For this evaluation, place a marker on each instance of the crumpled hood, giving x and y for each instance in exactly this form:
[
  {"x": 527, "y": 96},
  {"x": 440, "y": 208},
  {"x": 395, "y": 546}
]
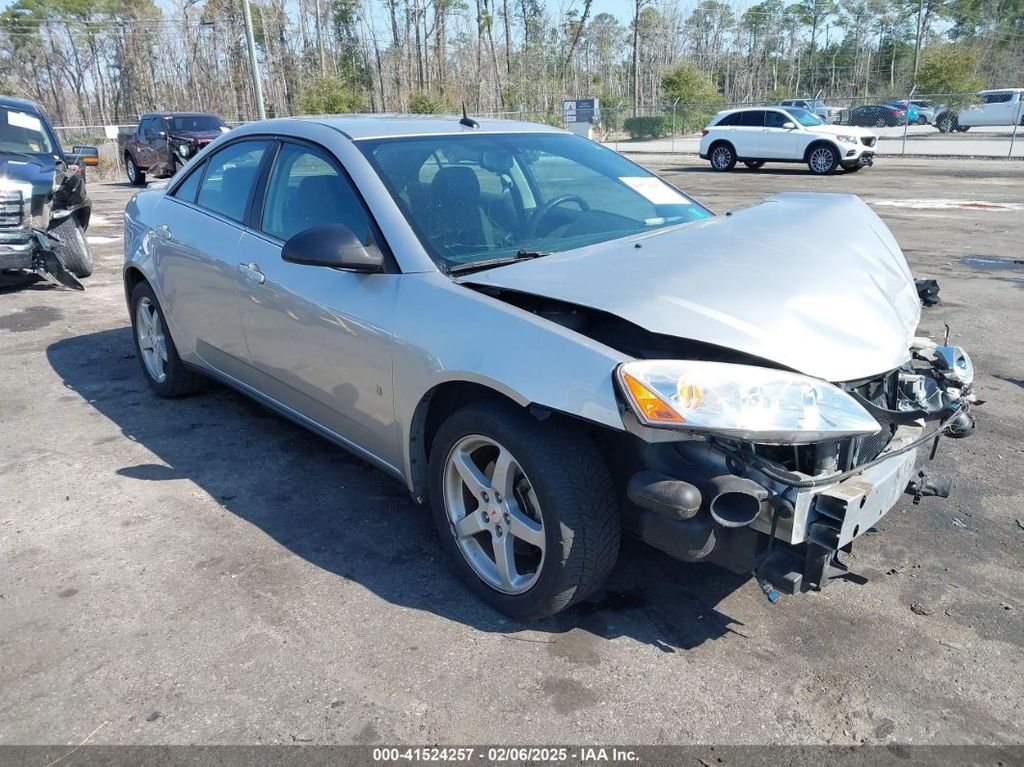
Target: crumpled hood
[{"x": 813, "y": 282}]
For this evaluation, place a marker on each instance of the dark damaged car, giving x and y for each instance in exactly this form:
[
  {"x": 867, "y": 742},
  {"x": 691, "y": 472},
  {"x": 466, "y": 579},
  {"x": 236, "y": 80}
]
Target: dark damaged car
[
  {"x": 164, "y": 142},
  {"x": 44, "y": 206}
]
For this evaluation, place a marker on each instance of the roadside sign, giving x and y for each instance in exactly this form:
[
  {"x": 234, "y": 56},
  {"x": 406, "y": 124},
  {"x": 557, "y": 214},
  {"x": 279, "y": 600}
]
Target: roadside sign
[
  {"x": 581, "y": 111},
  {"x": 110, "y": 131}
]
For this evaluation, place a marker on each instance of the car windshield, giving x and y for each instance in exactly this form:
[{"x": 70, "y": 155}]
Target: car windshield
[
  {"x": 477, "y": 198},
  {"x": 23, "y": 132},
  {"x": 194, "y": 124},
  {"x": 804, "y": 117}
]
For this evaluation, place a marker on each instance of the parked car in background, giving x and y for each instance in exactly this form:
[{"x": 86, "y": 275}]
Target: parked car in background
[
  {"x": 818, "y": 107},
  {"x": 925, "y": 110},
  {"x": 163, "y": 142},
  {"x": 878, "y": 116},
  {"x": 909, "y": 109},
  {"x": 995, "y": 108},
  {"x": 44, "y": 206},
  {"x": 550, "y": 345},
  {"x": 758, "y": 135}
]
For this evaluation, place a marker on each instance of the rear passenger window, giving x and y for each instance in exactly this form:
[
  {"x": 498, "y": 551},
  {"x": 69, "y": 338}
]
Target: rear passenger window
[
  {"x": 187, "y": 190},
  {"x": 752, "y": 118},
  {"x": 733, "y": 119},
  {"x": 231, "y": 177},
  {"x": 306, "y": 190}
]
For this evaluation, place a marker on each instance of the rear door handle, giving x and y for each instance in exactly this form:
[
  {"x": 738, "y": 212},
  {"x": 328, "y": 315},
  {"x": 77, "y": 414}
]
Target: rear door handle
[{"x": 252, "y": 272}]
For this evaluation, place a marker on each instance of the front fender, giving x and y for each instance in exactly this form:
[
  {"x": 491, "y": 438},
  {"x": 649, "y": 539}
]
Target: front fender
[{"x": 454, "y": 333}]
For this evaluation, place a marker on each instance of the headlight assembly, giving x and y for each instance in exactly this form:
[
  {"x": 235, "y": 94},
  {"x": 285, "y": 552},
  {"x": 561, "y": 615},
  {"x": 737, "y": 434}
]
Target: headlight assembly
[
  {"x": 743, "y": 401},
  {"x": 847, "y": 139},
  {"x": 185, "y": 149}
]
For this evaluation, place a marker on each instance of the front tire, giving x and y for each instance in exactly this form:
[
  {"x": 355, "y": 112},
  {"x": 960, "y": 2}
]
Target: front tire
[
  {"x": 722, "y": 157},
  {"x": 73, "y": 247},
  {"x": 525, "y": 509},
  {"x": 822, "y": 160},
  {"x": 136, "y": 176},
  {"x": 158, "y": 357}
]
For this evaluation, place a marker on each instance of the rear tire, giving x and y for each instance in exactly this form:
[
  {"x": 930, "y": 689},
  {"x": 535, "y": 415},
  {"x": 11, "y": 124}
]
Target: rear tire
[
  {"x": 158, "y": 357},
  {"x": 822, "y": 159},
  {"x": 73, "y": 247},
  {"x": 881, "y": 122},
  {"x": 557, "y": 492},
  {"x": 136, "y": 176},
  {"x": 722, "y": 156}
]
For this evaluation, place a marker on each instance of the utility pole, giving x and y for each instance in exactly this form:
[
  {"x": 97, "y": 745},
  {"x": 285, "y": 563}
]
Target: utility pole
[{"x": 257, "y": 86}]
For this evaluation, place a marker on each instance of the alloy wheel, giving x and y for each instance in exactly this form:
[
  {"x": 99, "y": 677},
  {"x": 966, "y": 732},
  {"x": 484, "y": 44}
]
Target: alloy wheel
[
  {"x": 821, "y": 160},
  {"x": 494, "y": 514},
  {"x": 149, "y": 330},
  {"x": 721, "y": 158}
]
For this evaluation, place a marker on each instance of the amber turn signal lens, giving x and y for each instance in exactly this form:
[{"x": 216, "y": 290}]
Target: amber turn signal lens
[{"x": 650, "y": 404}]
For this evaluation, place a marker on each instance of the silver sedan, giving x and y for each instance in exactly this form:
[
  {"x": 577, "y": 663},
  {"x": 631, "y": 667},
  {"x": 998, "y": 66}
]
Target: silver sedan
[{"x": 550, "y": 345}]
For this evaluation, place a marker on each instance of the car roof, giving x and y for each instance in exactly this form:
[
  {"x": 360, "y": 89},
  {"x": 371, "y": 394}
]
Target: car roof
[
  {"x": 748, "y": 109},
  {"x": 373, "y": 126},
  {"x": 24, "y": 105},
  {"x": 1002, "y": 90}
]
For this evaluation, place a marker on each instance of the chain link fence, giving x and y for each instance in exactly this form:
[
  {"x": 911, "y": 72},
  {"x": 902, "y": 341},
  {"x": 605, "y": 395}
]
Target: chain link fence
[{"x": 940, "y": 125}]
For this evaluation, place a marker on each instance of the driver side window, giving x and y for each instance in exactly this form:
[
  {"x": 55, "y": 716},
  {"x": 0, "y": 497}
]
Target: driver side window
[{"x": 306, "y": 189}]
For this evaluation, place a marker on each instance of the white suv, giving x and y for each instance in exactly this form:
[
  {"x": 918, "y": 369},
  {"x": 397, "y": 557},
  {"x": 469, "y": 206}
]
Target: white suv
[
  {"x": 997, "y": 107},
  {"x": 758, "y": 135}
]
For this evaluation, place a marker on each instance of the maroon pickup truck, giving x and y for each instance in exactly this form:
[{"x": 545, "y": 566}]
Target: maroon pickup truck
[{"x": 165, "y": 141}]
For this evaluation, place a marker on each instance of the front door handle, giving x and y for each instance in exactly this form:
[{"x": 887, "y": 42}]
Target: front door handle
[{"x": 252, "y": 272}]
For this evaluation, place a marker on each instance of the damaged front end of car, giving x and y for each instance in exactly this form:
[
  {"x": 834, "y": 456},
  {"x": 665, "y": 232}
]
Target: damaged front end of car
[
  {"x": 775, "y": 473},
  {"x": 31, "y": 248}
]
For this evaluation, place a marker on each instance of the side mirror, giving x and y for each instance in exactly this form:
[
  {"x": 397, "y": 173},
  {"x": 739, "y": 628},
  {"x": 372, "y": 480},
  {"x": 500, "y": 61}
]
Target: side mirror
[
  {"x": 83, "y": 155},
  {"x": 332, "y": 245},
  {"x": 789, "y": 125}
]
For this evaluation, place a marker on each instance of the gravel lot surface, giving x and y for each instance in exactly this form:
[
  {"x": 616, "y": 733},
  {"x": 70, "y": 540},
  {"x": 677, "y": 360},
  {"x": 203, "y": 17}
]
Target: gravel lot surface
[{"x": 202, "y": 571}]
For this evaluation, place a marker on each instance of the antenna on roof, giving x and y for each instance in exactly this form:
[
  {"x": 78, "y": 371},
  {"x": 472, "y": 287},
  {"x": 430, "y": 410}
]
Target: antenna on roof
[{"x": 466, "y": 120}]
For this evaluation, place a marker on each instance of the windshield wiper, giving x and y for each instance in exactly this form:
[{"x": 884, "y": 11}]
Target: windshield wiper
[{"x": 475, "y": 266}]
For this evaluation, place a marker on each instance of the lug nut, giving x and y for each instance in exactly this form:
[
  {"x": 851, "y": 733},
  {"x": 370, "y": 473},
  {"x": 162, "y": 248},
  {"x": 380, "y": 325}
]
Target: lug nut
[
  {"x": 498, "y": 531},
  {"x": 484, "y": 497},
  {"x": 497, "y": 497},
  {"x": 508, "y": 519}
]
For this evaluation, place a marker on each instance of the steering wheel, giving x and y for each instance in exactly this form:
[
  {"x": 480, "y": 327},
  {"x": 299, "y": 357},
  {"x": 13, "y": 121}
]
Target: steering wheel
[{"x": 541, "y": 213}]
